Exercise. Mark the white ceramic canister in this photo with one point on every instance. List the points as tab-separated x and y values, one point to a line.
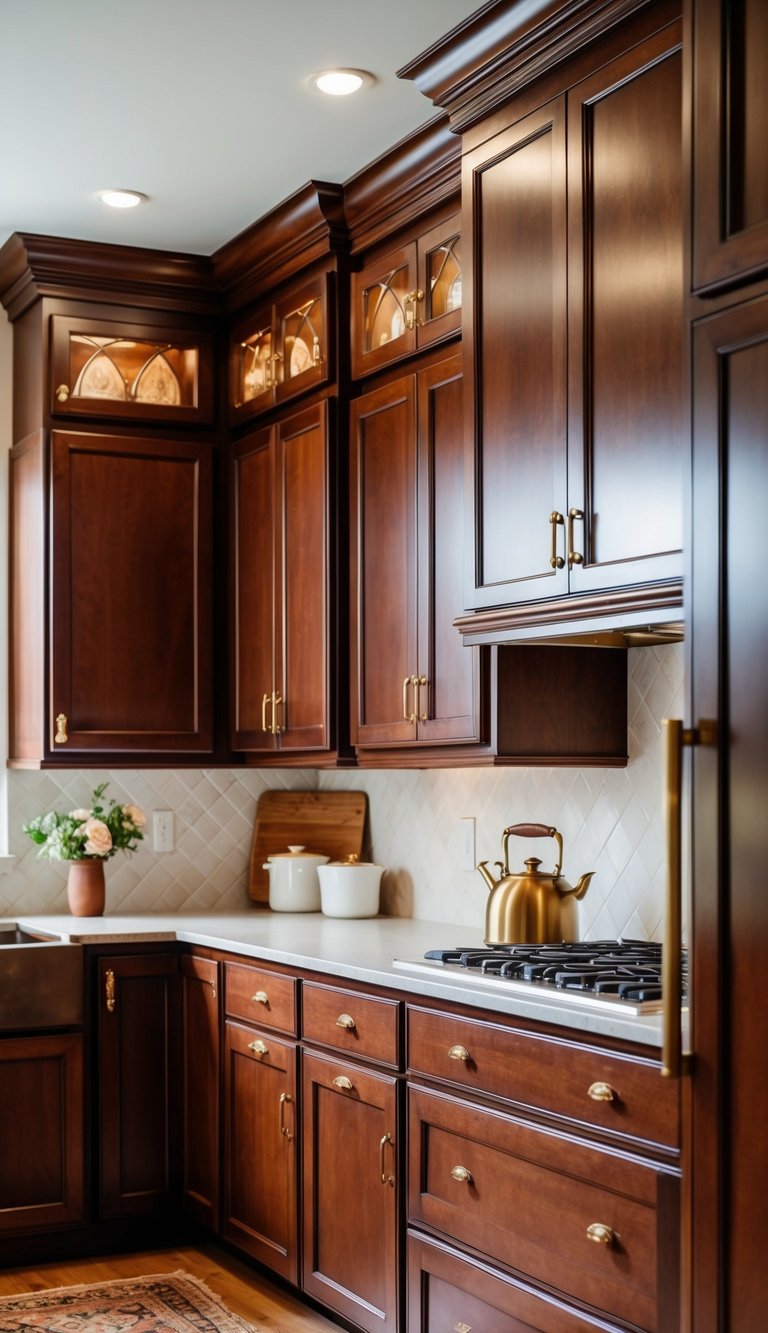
350	888
293	882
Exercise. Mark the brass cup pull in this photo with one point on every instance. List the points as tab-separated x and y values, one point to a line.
258	1047
601	1092
462	1174
408	717
459	1053
555	520
61	737
386	1178
344	1083
260	997
346	1021
109	991
62	393
601	1234
286	1133
574	557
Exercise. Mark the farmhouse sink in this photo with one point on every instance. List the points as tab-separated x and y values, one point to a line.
41	980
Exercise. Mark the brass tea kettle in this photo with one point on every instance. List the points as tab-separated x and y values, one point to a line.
532	907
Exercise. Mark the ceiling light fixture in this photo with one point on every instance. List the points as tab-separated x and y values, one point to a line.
122	198
340	82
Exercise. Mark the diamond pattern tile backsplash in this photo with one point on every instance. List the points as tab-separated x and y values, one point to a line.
611	821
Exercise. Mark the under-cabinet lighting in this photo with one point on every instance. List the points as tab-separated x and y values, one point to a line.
122	198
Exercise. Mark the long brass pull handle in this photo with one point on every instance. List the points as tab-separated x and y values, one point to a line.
386	1179
344	1083
258	1047
277	700
555	521
459	1053
260	997
61	737
420	683
601	1234
601	1092
212	985
409	306
109	991
284	1099
264	702
461	1174
407	717
675	737
574	557
346	1021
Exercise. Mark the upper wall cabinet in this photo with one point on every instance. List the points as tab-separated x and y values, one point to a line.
730	127
282	350
407	299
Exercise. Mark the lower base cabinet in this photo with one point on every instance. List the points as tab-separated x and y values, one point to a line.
200	1004
350	1118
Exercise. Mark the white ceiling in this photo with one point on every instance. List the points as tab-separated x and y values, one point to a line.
200	104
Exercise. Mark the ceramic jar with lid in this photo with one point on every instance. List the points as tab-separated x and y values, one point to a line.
293	882
350	888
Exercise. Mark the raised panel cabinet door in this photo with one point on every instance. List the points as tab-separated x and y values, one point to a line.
730	126
254	577
729	624
626	385
260	1205
449	687
383	564
42	1131
139	1041
131	580
302	600
514	229
200	997
350	1141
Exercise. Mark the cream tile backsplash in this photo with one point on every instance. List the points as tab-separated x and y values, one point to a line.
611	821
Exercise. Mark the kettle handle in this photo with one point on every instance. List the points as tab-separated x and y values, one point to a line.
533	831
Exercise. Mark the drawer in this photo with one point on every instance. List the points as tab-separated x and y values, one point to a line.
622	1094
359	1025
552	1207
448	1291
259	996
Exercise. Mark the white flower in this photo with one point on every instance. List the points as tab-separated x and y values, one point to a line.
79	814
135	815
99	838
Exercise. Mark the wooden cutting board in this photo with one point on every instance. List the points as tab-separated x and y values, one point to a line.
329	822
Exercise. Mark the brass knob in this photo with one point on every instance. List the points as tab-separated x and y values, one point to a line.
600	1234
461	1173
61	737
344	1083
109	991
601	1092
258	1047
260	997
346	1021
459	1053
62	393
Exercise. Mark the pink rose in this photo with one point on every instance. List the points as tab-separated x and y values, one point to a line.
98	838
135	815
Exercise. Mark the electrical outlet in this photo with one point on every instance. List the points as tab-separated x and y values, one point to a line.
162	831
468	843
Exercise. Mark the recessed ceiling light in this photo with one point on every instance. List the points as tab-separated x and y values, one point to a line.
340	82
122	198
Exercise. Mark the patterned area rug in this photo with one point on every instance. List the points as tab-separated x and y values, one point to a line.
162	1303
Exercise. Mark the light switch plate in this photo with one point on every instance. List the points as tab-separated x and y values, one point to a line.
468	843
162	831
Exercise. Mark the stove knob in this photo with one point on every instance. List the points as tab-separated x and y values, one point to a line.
601	1092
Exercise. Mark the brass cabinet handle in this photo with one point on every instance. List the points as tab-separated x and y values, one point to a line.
264	702
284	1099
574	557
109	991
461	1173
317	356
260	997
601	1234
407	717
62	393
420	683
61	737
258	1047
601	1092
277	699
346	1084
212	985
409	306
555	560
346	1021
386	1179
459	1053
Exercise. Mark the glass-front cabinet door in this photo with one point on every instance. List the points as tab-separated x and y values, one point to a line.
106	368
439	265
282	350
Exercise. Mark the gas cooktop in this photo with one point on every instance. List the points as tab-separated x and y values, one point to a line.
616	975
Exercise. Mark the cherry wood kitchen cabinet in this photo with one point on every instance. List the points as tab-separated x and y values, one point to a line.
260	1117
139	1078
282	350
283	566
42	1131
201	1010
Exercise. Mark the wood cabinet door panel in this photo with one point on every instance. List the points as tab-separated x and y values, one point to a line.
384	594
267	999
515	315
350	1213
358	1025
383	319
304	339
200	1090
254	595
625	467
131	594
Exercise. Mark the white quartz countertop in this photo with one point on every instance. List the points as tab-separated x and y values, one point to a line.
354	950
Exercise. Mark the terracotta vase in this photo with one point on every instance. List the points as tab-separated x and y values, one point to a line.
85	887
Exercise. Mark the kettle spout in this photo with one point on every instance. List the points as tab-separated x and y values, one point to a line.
582	886
487	875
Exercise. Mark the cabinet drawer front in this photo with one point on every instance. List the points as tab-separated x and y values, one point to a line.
528	1198
261	997
357	1024
622	1094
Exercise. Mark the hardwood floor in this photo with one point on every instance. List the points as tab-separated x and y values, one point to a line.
242	1291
